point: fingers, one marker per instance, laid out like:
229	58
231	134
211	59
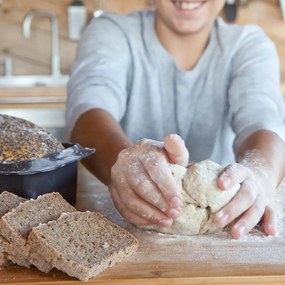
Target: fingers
270	222
136	210
232	175
243	200
156	166
250	204
142	186
249	219
252	217
176	151
159	172
245	197
148	191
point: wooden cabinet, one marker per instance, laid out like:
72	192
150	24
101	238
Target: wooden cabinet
267	14
32	56
122	6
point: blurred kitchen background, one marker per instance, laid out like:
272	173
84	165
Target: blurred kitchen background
38	44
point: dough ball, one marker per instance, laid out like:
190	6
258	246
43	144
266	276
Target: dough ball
200	183
201	198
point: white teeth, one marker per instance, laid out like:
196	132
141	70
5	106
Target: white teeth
188	5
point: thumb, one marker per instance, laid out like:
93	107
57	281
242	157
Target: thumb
176	151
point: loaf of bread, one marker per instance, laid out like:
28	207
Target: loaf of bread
82	244
9	201
16	224
22	140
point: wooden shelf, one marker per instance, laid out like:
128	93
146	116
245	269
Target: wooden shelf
38	93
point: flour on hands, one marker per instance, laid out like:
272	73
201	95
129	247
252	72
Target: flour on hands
201	198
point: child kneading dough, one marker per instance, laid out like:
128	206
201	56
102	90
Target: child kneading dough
201	198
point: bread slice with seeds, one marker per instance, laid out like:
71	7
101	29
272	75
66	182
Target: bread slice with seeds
9	201
16	224
82	244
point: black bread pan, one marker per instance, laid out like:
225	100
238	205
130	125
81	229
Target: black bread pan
56	172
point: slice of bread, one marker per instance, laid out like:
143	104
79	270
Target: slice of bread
9	201
16	224
2	257
82	244
32	212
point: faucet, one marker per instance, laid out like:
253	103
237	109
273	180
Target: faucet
282	7
7	66
55	59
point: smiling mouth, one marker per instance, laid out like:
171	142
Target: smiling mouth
188	5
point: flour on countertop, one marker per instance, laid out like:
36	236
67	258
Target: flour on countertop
218	248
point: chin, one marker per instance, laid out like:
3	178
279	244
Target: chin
187	28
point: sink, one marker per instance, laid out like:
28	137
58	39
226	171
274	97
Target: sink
26	81
55	79
52	119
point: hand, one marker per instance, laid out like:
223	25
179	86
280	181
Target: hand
252	202
141	185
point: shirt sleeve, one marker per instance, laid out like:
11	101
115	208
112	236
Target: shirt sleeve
99	77
255	100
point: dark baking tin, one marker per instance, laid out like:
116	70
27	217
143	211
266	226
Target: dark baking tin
53	173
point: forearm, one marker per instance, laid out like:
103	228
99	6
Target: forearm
98	129
264	151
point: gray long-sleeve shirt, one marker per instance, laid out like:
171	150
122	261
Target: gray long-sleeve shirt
233	90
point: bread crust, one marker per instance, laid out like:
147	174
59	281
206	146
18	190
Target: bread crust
32	212
9	201
22	140
89	244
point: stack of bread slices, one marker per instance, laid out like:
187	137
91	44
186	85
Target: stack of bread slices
49	233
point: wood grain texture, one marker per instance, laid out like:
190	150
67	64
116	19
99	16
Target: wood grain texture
267	15
154	277
32	56
40	93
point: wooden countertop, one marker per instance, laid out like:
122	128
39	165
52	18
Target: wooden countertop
163	259
58	93
39	97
